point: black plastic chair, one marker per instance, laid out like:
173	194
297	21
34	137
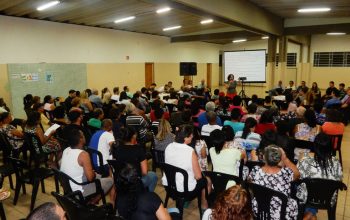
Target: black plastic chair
6	169
34	146
98	169
2	210
318	200
250	164
157	158
65	181
171	189
75	208
31	176
49	115
219	181
336	144
263	197
308	145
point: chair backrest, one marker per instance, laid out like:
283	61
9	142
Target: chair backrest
251	164
304	144
336	141
154	129
327	187
5	146
158	156
95	156
49	115
170	172
18	166
77	210
33	142
116	167
263	197
64	181
220	180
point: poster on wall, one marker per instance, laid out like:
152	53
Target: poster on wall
30	77
49	77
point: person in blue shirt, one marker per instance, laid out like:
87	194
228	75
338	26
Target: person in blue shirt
334	100
235	120
202	118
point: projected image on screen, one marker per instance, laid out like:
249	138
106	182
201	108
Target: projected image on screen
250	64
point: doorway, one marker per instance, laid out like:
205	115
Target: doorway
209	72
149	74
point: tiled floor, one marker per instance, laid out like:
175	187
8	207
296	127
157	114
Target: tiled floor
21	210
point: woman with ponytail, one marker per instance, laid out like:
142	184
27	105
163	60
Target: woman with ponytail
248	139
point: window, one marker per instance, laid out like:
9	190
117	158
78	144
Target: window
332	59
291	59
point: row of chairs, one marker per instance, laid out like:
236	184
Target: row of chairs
263	195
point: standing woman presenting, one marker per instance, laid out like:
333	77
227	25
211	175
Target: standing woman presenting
231	86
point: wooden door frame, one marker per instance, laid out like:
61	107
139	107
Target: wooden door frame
152	81
209	74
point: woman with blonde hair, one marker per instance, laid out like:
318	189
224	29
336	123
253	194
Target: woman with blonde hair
164	136
234	203
85	102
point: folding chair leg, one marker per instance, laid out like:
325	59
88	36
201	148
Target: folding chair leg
180	205
24	188
17	190
331	213
57	184
340	159
2	212
11	181
166	200
34	193
42	185
199	198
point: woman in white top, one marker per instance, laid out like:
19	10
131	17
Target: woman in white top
49	103
181	155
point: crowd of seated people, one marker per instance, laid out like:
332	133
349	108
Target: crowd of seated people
189	126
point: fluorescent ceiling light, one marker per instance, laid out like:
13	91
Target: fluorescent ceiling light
336	33
239	40
171	28
162	10
208	21
312	10
47	5
265	37
124	19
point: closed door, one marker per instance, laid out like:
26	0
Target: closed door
209	71
149	74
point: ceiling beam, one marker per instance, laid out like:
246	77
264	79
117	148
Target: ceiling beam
214	36
239	13
317	29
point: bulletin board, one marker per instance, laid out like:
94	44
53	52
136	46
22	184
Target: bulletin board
42	79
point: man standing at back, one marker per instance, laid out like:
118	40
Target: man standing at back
102	141
76	164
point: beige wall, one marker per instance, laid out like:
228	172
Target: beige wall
133	75
4	85
113	58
